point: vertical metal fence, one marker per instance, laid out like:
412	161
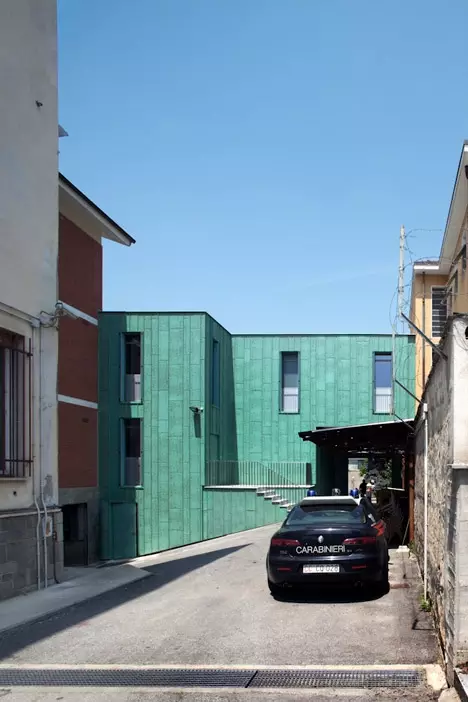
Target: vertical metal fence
258	473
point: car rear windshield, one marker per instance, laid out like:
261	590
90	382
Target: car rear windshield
325	514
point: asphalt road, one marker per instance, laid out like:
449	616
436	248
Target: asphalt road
209	604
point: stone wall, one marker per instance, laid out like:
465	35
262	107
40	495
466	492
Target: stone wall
18	553
438	398
446	396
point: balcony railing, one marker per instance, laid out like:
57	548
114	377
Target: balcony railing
383	401
257	473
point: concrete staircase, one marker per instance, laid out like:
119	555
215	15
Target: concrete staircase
272	494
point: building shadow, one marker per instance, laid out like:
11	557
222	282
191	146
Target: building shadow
161	574
330	594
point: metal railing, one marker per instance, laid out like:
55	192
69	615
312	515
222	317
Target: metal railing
257	473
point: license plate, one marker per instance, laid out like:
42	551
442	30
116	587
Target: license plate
323	569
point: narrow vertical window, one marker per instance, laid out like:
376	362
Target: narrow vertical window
131	367
215	375
290	382
439	311
131	450
383	383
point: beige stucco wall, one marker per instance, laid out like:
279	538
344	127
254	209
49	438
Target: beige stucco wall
29	217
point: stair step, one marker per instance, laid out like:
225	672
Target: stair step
281	501
271	496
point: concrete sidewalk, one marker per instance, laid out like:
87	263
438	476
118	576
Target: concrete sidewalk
26	609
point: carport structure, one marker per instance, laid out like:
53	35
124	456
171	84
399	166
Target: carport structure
393	440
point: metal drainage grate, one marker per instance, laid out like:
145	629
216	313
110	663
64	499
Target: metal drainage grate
200	677
120	677
337	678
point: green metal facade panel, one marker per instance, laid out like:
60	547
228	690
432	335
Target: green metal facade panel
169	503
228	511
336	389
171	507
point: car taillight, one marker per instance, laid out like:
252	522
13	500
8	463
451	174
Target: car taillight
284	542
360	541
379	527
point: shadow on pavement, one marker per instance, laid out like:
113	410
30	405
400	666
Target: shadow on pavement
161	574
332	594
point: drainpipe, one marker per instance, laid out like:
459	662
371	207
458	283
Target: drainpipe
33	395
41	447
424	331
425	497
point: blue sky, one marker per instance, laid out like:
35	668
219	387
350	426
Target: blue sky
263	153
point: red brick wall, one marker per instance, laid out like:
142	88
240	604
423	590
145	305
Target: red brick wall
80	285
79	268
78	359
77	446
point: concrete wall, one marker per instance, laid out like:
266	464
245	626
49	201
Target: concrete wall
447	463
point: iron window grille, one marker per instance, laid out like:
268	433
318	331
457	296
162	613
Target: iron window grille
15	406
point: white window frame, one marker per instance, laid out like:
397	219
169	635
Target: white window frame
290	392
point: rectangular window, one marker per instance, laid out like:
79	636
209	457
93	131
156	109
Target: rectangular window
439	311
131	367
215	379
383	383
131	452
15	405
290	382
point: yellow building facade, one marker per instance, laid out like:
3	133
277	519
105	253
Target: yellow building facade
440	286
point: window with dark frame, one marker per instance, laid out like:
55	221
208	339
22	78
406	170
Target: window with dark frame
289	401
131	459
216	378
15	405
439	311
131	367
383	394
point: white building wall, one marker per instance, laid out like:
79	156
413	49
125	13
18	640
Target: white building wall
29	217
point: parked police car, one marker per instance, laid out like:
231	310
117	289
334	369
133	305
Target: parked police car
329	539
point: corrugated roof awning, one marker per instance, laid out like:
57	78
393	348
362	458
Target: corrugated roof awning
379	436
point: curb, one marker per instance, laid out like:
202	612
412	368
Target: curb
43	616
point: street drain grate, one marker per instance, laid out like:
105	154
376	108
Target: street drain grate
121	677
337	678
202	677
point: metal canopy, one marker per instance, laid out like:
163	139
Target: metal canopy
381	436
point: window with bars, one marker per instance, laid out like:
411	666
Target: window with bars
15	405
131	453
131	367
383	394
439	311
289	400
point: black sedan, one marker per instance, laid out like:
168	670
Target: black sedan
329	539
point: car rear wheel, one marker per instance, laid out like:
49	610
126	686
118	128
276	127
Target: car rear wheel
275	590
382	583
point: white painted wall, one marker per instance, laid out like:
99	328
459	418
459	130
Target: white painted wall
29	214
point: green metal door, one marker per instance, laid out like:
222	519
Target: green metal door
124	530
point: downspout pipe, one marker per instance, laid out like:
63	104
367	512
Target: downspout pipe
425	496
41	453
36	454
